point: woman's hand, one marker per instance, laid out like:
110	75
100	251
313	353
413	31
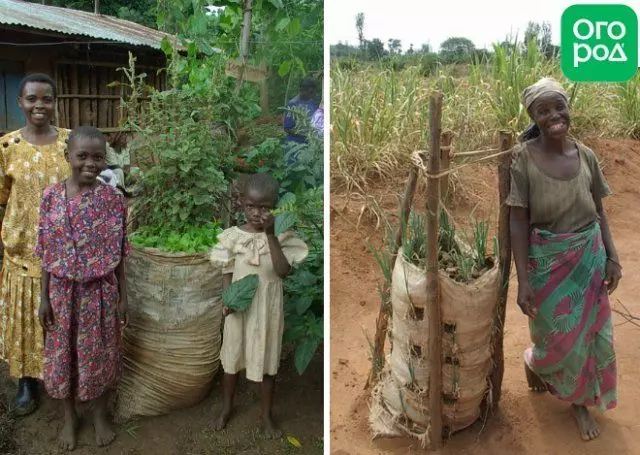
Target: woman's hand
613	273
525	299
123	311
45	314
268	223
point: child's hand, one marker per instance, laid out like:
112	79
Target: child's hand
226	311
45	314
268	223
123	312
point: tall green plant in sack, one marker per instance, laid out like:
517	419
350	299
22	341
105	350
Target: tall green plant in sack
186	161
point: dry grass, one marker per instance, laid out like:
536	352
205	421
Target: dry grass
379	116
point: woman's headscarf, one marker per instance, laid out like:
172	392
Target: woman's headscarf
532	93
542	87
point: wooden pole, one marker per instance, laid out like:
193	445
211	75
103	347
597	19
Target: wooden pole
382	321
96	7
445	160
504	240
434	353
244	42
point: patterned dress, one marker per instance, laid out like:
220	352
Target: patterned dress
81	242
25	171
572	335
252	340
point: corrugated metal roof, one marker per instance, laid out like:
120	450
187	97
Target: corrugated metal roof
74	22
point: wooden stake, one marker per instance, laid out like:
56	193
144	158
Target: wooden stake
445	160
434	353
504	240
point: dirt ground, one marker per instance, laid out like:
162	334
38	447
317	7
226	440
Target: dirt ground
526	423
298	408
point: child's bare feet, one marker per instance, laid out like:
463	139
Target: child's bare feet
104	433
222	420
68	434
535	383
271	429
586	423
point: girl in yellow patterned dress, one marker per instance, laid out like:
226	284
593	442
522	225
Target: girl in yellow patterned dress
31	159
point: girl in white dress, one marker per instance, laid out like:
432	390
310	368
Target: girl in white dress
252	340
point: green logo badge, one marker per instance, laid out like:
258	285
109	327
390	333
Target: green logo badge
599	43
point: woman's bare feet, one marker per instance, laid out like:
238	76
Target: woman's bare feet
535	383
104	433
271	429
586	423
68	435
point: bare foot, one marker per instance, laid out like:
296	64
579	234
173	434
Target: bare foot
104	434
222	421
587	425
535	383
271	429
67	437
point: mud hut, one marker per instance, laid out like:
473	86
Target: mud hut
83	51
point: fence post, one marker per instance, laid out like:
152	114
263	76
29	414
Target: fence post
504	241
434	352
445	160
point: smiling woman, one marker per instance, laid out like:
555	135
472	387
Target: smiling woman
31	159
566	260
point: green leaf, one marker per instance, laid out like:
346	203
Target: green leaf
282	24
239	294
277	3
284	222
288	198
303	303
295	27
284	69
206	48
166	47
304	353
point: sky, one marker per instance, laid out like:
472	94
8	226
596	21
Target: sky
431	22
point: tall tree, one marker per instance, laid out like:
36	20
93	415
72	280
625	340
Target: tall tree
360	29
375	49
395	46
457	50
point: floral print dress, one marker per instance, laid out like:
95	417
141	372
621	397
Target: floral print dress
81	241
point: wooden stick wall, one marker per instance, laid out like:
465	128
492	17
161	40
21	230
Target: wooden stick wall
85	98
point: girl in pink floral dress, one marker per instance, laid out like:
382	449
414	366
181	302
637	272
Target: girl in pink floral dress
82	244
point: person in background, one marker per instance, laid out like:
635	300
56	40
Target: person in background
317	120
119	161
31	159
305	100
